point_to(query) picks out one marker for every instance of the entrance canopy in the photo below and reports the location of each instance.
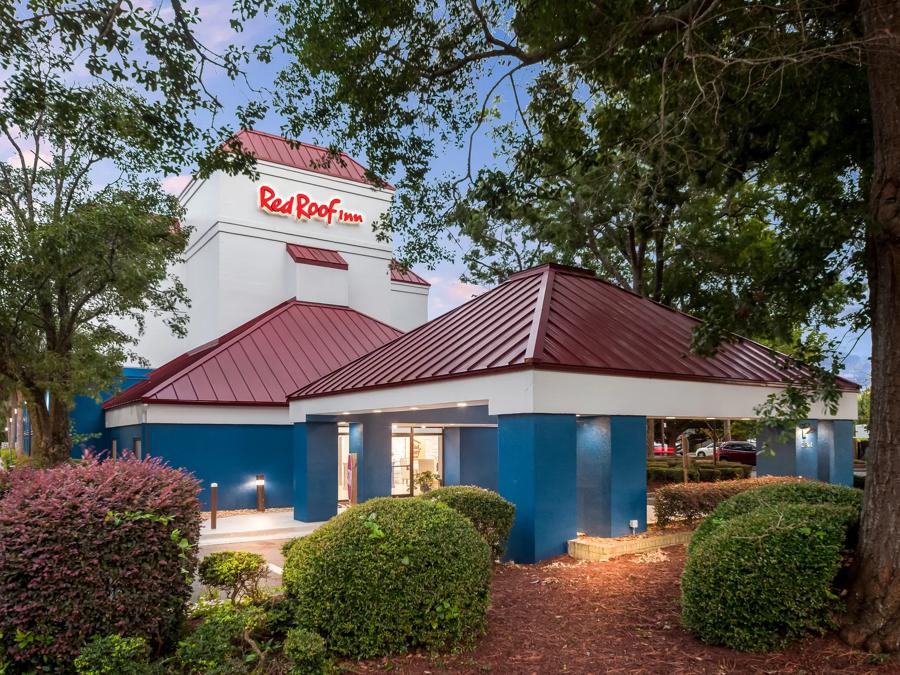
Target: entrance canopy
(556, 339)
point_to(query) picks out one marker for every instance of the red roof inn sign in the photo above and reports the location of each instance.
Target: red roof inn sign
(302, 207)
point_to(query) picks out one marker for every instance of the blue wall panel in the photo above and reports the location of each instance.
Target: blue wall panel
(776, 456)
(593, 447)
(88, 419)
(452, 473)
(370, 439)
(842, 460)
(478, 457)
(612, 475)
(628, 474)
(537, 469)
(315, 471)
(228, 454)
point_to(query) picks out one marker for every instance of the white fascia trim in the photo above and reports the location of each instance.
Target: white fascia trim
(504, 393)
(587, 394)
(161, 413)
(555, 392)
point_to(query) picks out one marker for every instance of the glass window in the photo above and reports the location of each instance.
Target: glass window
(414, 450)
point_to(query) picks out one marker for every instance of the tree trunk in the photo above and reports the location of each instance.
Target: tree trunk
(873, 617)
(51, 442)
(20, 424)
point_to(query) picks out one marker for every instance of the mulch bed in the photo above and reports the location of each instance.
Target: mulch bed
(619, 616)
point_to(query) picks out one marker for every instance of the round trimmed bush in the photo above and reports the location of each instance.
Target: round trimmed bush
(94, 549)
(389, 575)
(794, 492)
(490, 513)
(764, 578)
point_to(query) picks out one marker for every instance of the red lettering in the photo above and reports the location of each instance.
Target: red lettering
(269, 202)
(306, 208)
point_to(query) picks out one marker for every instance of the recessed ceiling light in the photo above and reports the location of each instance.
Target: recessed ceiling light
(461, 404)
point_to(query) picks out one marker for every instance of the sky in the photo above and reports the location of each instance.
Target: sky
(447, 291)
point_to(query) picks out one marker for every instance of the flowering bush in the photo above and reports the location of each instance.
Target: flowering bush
(94, 549)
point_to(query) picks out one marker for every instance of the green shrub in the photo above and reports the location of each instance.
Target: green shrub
(306, 651)
(388, 575)
(696, 500)
(219, 645)
(793, 492)
(237, 573)
(765, 578)
(114, 655)
(490, 513)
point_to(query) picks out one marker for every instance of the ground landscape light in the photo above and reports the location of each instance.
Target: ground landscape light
(260, 481)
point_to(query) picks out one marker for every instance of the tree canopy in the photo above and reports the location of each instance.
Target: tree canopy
(100, 100)
(737, 158)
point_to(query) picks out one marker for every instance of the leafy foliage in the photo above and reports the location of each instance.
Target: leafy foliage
(95, 89)
(238, 573)
(764, 577)
(770, 494)
(93, 548)
(490, 513)
(693, 501)
(307, 652)
(390, 575)
(114, 655)
(221, 643)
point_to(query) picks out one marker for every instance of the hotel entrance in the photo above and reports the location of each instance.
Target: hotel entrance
(416, 457)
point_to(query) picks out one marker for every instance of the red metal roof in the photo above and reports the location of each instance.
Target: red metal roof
(280, 150)
(265, 359)
(322, 257)
(556, 318)
(407, 276)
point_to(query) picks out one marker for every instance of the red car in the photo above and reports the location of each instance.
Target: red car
(738, 451)
(660, 449)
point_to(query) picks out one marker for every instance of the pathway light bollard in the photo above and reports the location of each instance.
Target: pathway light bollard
(213, 504)
(260, 492)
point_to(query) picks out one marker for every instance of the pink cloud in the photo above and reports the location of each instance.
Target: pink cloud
(175, 184)
(447, 293)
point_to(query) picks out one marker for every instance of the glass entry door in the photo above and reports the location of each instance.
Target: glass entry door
(415, 450)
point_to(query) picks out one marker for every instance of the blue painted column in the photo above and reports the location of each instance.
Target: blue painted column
(834, 448)
(370, 439)
(315, 471)
(795, 455)
(536, 472)
(612, 475)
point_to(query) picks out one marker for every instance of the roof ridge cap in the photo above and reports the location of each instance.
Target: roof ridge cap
(534, 352)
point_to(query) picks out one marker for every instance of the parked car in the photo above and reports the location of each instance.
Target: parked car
(703, 451)
(661, 449)
(738, 451)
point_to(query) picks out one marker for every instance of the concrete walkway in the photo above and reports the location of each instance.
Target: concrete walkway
(266, 526)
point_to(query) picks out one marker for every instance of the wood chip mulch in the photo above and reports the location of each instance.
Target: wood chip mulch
(618, 616)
